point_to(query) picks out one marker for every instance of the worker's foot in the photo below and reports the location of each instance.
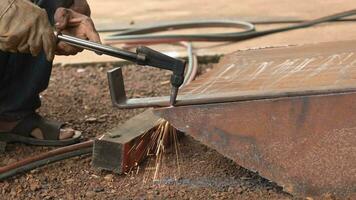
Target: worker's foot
(65, 133)
(37, 131)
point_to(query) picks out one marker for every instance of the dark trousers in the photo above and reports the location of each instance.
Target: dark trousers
(22, 78)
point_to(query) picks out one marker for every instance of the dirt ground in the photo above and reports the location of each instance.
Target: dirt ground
(77, 94)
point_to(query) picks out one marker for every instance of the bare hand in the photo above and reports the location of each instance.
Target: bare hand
(82, 7)
(67, 21)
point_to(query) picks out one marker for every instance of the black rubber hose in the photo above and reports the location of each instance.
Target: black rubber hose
(40, 163)
(254, 22)
(141, 34)
(247, 26)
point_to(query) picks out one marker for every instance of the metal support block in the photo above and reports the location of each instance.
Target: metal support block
(124, 147)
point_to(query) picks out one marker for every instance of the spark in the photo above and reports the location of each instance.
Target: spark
(155, 143)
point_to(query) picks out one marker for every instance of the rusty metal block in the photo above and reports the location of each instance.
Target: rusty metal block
(124, 147)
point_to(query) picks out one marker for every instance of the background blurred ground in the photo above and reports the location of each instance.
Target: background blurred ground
(124, 13)
(80, 92)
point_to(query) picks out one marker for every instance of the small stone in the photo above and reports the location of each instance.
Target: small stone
(239, 190)
(34, 186)
(95, 176)
(103, 116)
(13, 192)
(90, 194)
(81, 70)
(181, 193)
(99, 189)
(70, 196)
(91, 120)
(69, 181)
(34, 171)
(109, 177)
(329, 196)
(230, 189)
(101, 120)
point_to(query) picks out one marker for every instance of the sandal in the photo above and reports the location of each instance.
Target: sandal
(51, 130)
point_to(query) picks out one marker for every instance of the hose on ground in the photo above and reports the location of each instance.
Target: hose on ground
(254, 22)
(39, 163)
(39, 160)
(144, 36)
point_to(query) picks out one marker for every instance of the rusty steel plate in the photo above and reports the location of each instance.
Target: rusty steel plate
(305, 144)
(288, 113)
(280, 71)
(262, 73)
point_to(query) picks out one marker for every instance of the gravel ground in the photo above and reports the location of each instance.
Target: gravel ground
(79, 96)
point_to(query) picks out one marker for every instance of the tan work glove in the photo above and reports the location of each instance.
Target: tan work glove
(70, 22)
(25, 28)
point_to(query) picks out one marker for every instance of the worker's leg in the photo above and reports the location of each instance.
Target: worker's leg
(22, 78)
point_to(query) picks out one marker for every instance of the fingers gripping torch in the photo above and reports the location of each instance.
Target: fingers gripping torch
(143, 56)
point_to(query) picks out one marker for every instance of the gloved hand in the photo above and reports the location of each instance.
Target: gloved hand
(69, 22)
(25, 28)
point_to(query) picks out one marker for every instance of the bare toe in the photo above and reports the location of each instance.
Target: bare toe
(66, 133)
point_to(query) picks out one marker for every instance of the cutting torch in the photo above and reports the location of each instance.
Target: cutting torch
(143, 56)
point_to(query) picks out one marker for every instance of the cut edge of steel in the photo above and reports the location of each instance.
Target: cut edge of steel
(120, 100)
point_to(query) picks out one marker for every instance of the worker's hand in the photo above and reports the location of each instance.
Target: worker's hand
(81, 6)
(25, 28)
(75, 24)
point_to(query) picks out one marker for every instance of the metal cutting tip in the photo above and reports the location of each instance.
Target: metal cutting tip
(174, 94)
